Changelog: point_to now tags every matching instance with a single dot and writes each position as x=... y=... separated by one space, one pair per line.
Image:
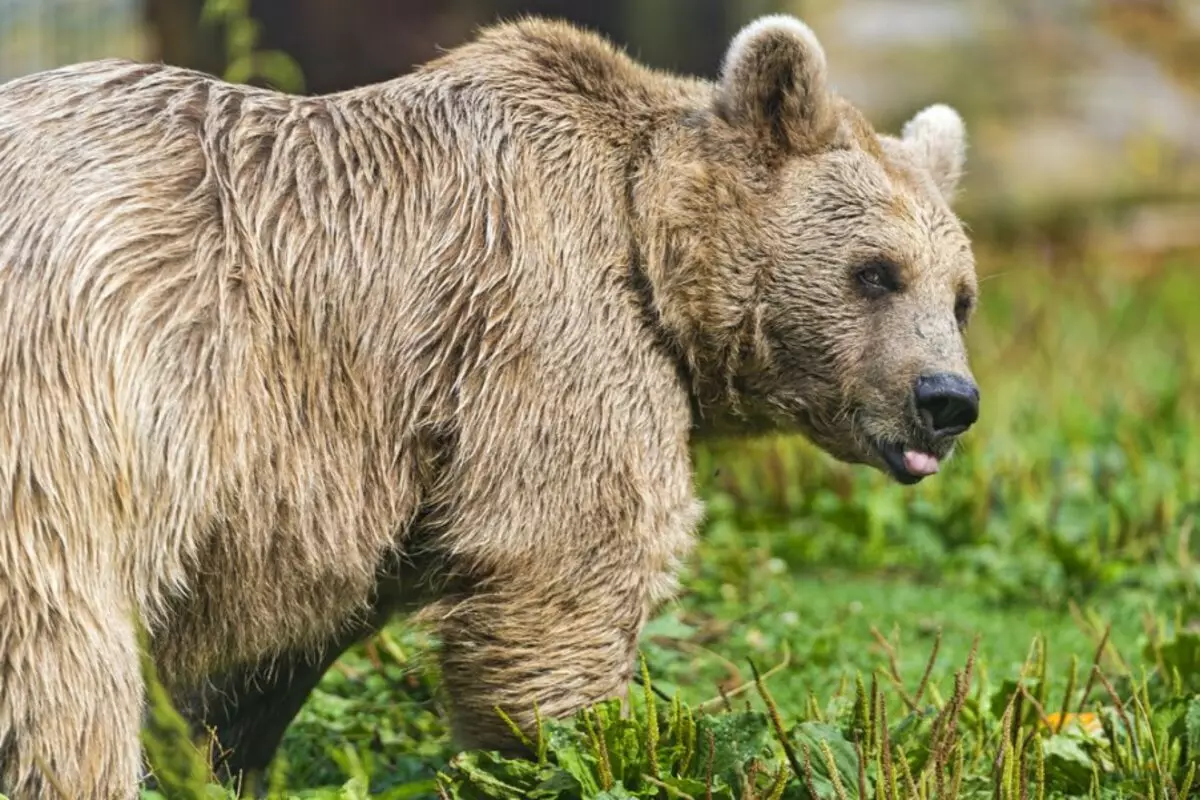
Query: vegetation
x=1024 y=625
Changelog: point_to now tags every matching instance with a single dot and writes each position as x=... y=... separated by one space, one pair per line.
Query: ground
x=1068 y=513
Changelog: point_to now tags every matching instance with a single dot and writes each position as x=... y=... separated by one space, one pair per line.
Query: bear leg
x=561 y=648
x=71 y=697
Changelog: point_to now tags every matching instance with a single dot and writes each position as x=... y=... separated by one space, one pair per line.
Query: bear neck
x=701 y=289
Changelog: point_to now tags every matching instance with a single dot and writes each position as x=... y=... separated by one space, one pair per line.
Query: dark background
x=344 y=44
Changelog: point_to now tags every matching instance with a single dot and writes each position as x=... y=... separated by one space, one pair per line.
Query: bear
x=276 y=367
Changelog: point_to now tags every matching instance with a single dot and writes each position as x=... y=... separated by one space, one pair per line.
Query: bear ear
x=937 y=139
x=773 y=80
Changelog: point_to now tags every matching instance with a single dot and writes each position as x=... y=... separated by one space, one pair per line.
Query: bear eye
x=962 y=309
x=877 y=278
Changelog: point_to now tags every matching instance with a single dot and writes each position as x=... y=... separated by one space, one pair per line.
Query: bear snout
x=947 y=403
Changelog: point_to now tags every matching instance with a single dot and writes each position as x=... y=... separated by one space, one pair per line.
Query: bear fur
x=446 y=338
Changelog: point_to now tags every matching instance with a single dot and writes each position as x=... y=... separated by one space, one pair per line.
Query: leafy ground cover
x=1025 y=625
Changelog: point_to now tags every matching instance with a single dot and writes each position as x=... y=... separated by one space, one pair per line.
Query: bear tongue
x=919 y=463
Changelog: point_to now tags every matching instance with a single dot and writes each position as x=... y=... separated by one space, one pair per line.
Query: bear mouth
x=906 y=465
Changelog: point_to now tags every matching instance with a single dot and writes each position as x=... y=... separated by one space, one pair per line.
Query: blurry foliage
x=1167 y=31
x=1080 y=116
x=244 y=63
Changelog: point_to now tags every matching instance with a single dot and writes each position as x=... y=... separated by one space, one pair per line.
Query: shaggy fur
x=257 y=347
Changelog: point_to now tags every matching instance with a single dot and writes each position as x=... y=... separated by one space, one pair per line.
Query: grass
x=1025 y=625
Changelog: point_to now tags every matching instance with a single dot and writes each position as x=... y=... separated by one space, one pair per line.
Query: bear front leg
x=70 y=702
x=562 y=645
x=566 y=515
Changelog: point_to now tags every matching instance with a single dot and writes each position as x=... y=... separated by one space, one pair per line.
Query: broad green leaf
x=617 y=792
x=845 y=758
x=569 y=749
x=1192 y=722
x=738 y=737
x=1182 y=653
x=1068 y=764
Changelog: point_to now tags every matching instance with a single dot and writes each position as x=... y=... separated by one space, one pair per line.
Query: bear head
x=811 y=269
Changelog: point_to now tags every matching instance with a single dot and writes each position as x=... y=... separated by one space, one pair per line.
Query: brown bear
x=275 y=366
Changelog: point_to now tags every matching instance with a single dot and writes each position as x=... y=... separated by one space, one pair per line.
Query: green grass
x=1054 y=555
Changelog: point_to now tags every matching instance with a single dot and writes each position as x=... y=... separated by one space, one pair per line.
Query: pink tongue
x=920 y=463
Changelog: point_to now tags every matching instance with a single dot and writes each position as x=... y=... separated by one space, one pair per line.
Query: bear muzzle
x=947 y=403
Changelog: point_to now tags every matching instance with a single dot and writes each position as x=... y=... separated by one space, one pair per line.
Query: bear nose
x=948 y=403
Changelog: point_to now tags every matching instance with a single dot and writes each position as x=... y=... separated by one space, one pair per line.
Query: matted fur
x=256 y=345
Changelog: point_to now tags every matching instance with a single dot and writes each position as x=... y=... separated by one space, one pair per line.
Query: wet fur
x=465 y=322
